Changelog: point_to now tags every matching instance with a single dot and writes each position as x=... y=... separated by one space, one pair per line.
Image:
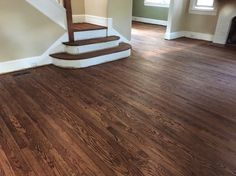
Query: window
x=205 y=7
x=205 y=3
x=158 y=3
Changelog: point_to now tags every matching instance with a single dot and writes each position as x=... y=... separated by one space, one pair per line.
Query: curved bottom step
x=83 y=63
x=66 y=60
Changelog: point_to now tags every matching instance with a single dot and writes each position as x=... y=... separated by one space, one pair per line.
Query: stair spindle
x=67 y=5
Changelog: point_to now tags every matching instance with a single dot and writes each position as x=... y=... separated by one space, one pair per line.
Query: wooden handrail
x=67 y=5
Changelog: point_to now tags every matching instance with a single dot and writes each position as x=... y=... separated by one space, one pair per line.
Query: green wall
x=140 y=10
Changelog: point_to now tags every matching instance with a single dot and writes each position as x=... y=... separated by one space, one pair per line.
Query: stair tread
x=92 y=41
x=67 y=56
x=86 y=27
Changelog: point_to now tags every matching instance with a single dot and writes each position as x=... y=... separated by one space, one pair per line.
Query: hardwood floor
x=169 y=110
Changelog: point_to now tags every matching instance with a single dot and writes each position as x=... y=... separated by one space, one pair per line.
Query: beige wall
x=226 y=7
x=90 y=7
x=200 y=23
x=182 y=20
x=121 y=13
x=229 y=4
x=96 y=7
x=78 y=7
x=24 y=32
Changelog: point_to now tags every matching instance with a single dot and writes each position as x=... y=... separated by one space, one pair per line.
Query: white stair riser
x=91 y=61
x=82 y=35
x=91 y=47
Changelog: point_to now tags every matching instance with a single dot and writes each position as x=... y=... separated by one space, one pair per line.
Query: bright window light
x=161 y=3
x=205 y=3
x=204 y=7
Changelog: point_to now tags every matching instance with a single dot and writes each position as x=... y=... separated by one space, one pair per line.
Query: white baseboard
x=91 y=19
x=150 y=21
x=78 y=18
x=220 y=39
x=21 y=64
x=199 y=36
x=174 y=35
x=26 y=63
x=97 y=20
x=189 y=34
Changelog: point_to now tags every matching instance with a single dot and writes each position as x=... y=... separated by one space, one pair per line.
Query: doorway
x=154 y=12
x=232 y=33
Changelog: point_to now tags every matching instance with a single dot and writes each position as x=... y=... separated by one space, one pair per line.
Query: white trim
x=199 y=36
x=21 y=64
x=31 y=62
x=91 y=61
x=174 y=35
x=122 y=38
x=96 y=20
x=91 y=19
x=150 y=21
x=91 y=47
x=51 y=9
x=202 y=11
x=220 y=39
x=57 y=46
x=156 y=4
x=83 y=35
x=189 y=34
x=78 y=18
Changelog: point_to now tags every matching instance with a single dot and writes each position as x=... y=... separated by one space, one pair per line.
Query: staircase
x=88 y=45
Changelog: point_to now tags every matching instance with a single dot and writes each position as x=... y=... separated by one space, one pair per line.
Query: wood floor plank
x=13 y=153
x=86 y=99
x=73 y=81
x=44 y=147
x=5 y=166
x=64 y=114
x=106 y=145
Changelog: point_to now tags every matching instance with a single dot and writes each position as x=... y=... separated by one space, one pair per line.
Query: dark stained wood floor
x=169 y=110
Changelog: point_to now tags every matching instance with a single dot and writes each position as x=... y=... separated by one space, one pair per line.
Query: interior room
x=118 y=88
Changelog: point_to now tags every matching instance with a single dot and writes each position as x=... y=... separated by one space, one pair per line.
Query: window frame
x=205 y=10
x=146 y=3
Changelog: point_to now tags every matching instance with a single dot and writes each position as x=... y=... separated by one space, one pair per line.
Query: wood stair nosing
x=92 y=41
x=67 y=56
x=79 y=27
